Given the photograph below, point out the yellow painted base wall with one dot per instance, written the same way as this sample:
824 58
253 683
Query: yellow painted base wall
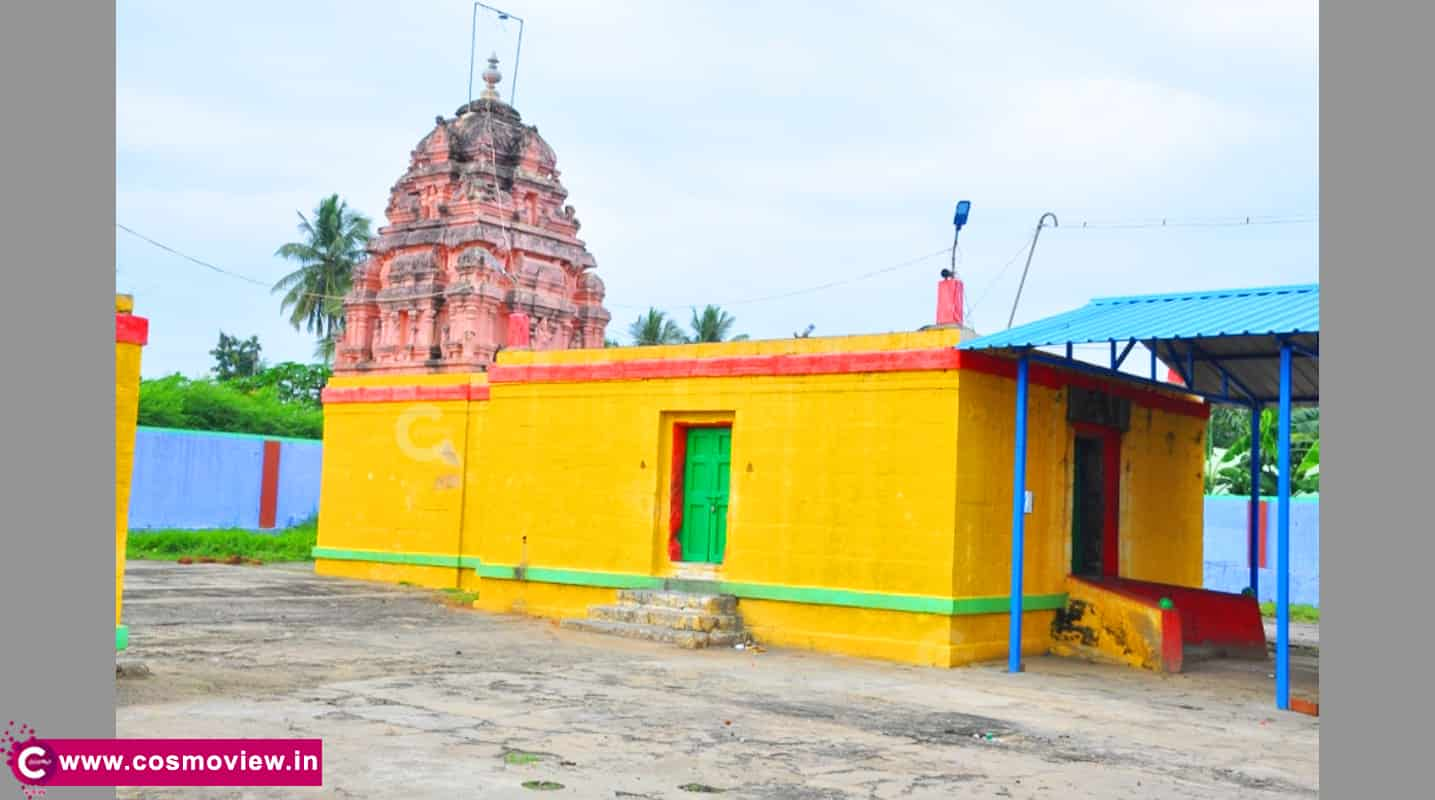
127 396
392 481
409 574
925 639
888 482
556 601
837 481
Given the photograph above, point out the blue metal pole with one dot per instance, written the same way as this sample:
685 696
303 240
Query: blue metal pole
1283 530
1255 510
1018 518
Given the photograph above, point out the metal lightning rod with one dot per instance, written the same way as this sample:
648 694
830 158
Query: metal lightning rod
1039 224
473 43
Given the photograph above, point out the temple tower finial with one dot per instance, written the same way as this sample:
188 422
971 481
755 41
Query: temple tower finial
491 77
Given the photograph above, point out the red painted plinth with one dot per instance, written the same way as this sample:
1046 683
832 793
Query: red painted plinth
949 301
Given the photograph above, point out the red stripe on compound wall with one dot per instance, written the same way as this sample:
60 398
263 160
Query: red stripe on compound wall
1262 520
130 329
269 485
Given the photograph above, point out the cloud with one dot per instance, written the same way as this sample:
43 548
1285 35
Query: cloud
1285 29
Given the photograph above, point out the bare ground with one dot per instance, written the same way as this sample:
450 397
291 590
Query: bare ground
416 700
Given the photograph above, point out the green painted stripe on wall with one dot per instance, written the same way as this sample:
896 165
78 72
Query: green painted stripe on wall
917 604
380 557
812 595
949 606
122 637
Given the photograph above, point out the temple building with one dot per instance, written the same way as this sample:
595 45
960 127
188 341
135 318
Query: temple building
480 253
915 495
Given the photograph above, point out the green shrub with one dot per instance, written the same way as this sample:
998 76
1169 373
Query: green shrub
232 407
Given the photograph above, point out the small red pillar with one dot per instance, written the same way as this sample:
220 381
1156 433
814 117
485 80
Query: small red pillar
949 301
517 330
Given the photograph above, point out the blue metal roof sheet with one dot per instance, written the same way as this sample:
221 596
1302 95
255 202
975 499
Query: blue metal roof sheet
1269 311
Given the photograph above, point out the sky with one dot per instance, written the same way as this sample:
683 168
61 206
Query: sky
738 153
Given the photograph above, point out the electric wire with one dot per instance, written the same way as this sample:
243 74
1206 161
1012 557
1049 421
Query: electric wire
505 224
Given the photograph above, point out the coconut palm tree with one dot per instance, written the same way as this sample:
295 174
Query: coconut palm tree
654 327
712 324
332 244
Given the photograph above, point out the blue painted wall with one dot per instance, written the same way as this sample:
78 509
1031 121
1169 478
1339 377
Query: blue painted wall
196 479
1227 564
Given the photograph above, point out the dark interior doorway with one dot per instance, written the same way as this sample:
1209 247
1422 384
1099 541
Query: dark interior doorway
1087 508
1096 464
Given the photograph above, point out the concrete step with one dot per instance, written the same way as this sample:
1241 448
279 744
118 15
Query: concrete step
715 604
665 617
691 640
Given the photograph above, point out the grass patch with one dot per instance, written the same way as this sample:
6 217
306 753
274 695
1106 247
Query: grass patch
1299 612
292 544
543 786
461 599
520 758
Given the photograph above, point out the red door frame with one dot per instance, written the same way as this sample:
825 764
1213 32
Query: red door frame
1110 491
679 471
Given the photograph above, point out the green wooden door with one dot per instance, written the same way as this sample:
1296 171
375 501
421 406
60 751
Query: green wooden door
705 494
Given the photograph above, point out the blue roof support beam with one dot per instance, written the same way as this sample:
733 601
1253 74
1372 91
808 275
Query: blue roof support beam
1018 516
1039 357
1308 352
1226 376
1117 361
1254 529
1174 359
1283 535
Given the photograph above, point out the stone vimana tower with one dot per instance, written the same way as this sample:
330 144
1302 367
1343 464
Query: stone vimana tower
480 253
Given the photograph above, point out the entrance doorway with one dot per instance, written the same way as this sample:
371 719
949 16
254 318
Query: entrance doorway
1095 486
706 471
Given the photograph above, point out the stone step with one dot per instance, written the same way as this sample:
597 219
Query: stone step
664 617
716 604
691 640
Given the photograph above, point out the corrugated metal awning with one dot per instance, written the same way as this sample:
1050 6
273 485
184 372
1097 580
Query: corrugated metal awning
1225 344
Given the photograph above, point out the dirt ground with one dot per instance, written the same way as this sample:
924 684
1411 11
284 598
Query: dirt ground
414 699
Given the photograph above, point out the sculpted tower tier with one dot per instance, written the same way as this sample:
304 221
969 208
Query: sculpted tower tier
480 253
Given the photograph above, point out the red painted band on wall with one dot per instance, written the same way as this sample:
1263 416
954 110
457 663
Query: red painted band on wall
731 366
130 329
926 360
402 394
269 485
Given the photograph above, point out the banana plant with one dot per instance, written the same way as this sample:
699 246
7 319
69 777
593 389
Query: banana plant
1231 474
